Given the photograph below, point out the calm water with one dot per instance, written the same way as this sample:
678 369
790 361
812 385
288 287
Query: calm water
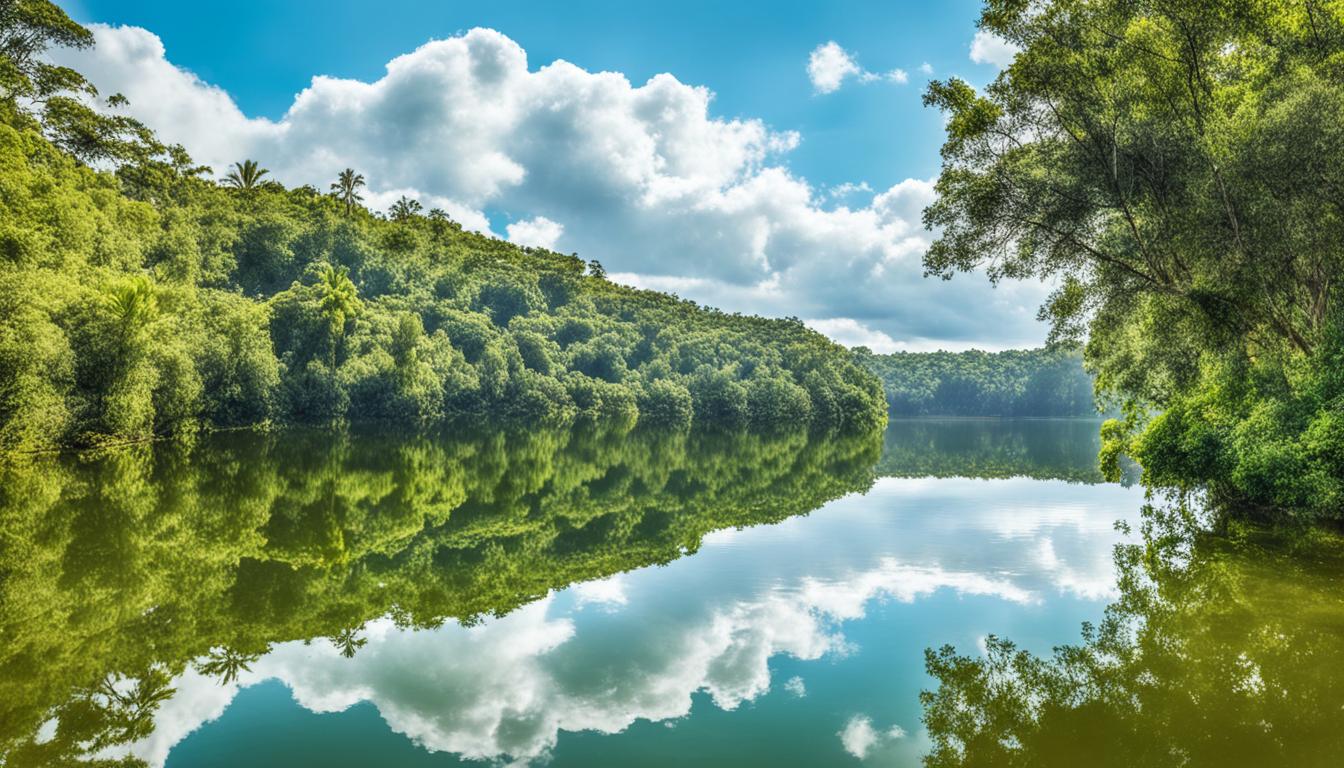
602 598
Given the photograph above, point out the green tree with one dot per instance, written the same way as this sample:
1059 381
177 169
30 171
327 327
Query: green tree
245 176
346 189
57 96
404 209
1174 168
338 303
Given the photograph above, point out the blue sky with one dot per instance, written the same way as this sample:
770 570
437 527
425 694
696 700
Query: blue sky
868 135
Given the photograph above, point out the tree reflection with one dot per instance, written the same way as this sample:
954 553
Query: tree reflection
1223 649
120 570
226 664
1064 449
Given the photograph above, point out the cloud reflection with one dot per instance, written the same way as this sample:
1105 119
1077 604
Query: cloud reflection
710 623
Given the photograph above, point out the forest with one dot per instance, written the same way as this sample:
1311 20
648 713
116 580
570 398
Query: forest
1048 382
1174 169
141 297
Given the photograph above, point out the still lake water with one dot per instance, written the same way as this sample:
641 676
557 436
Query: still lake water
569 598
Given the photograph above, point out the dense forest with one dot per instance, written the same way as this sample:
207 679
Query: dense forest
119 573
1048 382
139 297
1176 170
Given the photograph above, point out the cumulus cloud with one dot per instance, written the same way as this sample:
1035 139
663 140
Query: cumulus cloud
829 65
795 687
538 232
860 738
989 48
898 76
644 177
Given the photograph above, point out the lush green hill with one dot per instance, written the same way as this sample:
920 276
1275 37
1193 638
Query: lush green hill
1046 382
145 298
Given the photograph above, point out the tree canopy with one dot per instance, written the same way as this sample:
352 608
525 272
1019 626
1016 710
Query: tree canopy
1175 168
140 298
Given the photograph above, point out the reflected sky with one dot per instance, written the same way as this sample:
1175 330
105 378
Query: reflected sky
798 643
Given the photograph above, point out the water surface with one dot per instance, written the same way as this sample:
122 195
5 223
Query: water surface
579 597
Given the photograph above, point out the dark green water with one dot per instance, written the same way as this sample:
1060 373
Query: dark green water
590 597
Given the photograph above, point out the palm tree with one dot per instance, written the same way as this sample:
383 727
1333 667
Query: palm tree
405 208
348 641
133 303
131 705
347 187
339 302
245 176
226 664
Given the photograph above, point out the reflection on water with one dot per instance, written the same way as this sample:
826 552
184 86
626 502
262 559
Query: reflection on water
1046 449
1223 650
125 571
366 598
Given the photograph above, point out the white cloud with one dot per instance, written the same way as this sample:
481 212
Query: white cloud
989 48
608 592
828 65
852 333
926 68
538 232
643 177
848 188
898 76
795 687
859 737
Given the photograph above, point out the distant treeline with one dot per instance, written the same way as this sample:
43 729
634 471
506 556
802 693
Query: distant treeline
1047 382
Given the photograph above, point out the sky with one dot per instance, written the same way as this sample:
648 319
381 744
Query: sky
760 157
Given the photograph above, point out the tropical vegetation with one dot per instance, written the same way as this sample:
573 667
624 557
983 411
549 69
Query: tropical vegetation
1175 169
140 297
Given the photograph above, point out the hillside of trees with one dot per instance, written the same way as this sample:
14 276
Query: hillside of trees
1176 170
1031 382
141 297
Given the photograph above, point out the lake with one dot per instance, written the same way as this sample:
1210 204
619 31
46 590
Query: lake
605 597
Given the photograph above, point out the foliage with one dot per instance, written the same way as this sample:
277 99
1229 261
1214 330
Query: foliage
1175 169
149 299
1049 382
